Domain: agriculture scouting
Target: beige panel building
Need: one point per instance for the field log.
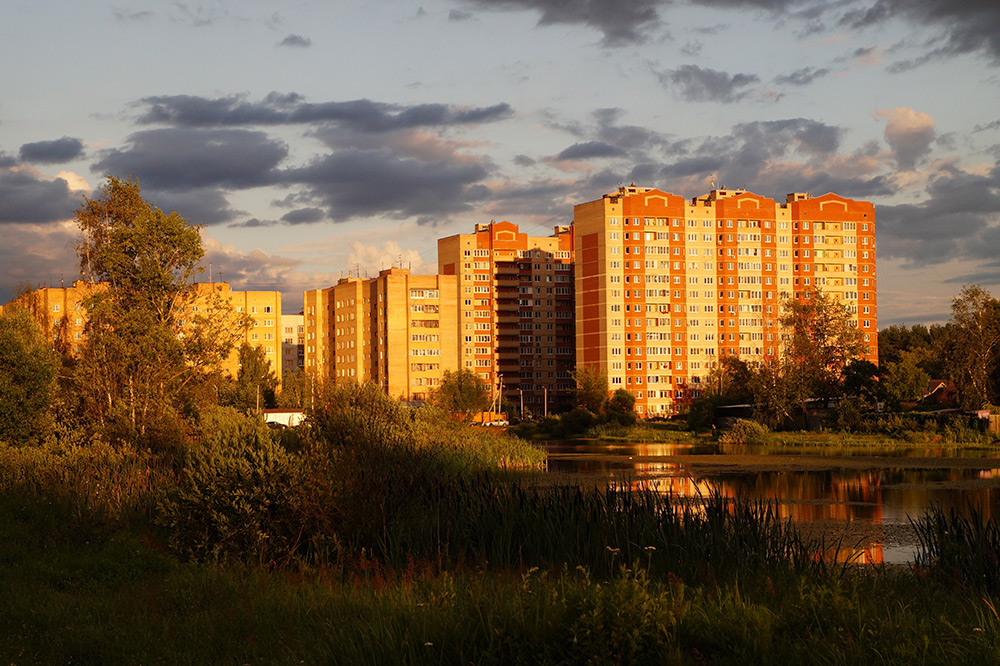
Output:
(61, 313)
(515, 315)
(666, 286)
(292, 343)
(398, 330)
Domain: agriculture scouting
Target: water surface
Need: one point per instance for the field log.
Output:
(863, 497)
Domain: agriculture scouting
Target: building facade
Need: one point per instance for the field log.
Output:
(293, 352)
(666, 286)
(398, 330)
(515, 310)
(62, 314)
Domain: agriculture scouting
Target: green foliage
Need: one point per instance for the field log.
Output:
(348, 414)
(462, 392)
(745, 432)
(973, 346)
(591, 388)
(905, 380)
(961, 548)
(824, 339)
(137, 370)
(255, 384)
(621, 408)
(28, 372)
(236, 498)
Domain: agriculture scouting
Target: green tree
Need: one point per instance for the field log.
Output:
(28, 371)
(822, 338)
(462, 393)
(973, 345)
(255, 384)
(905, 380)
(143, 350)
(591, 388)
(621, 408)
(861, 381)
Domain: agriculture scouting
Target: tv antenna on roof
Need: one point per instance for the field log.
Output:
(714, 184)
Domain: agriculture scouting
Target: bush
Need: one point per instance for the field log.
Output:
(236, 498)
(744, 432)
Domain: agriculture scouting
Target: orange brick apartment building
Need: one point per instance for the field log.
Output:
(516, 313)
(665, 286)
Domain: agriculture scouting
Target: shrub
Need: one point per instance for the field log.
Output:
(744, 432)
(236, 497)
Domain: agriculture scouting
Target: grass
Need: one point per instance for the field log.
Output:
(121, 601)
(433, 559)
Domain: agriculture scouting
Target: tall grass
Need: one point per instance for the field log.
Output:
(963, 548)
(94, 482)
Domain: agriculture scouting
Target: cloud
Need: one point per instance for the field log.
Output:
(589, 150)
(802, 77)
(909, 133)
(303, 216)
(27, 197)
(58, 151)
(371, 259)
(181, 158)
(459, 15)
(256, 270)
(363, 183)
(622, 22)
(697, 84)
(961, 26)
(958, 219)
(126, 15)
(197, 205)
(361, 115)
(296, 41)
(36, 255)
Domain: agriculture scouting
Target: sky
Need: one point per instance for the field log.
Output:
(315, 139)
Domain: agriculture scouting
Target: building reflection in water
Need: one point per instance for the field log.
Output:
(887, 495)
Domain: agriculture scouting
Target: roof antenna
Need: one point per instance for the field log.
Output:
(210, 278)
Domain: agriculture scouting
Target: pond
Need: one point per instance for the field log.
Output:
(861, 498)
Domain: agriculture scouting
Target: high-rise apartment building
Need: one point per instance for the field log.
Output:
(665, 286)
(293, 351)
(397, 330)
(515, 314)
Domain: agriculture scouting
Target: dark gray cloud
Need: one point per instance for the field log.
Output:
(181, 158)
(37, 257)
(25, 198)
(206, 206)
(303, 216)
(363, 183)
(963, 26)
(6, 160)
(698, 84)
(959, 219)
(988, 126)
(58, 151)
(296, 41)
(802, 77)
(459, 15)
(622, 22)
(361, 115)
(589, 150)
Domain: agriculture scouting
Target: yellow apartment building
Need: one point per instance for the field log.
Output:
(516, 316)
(398, 330)
(665, 286)
(61, 313)
(293, 343)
